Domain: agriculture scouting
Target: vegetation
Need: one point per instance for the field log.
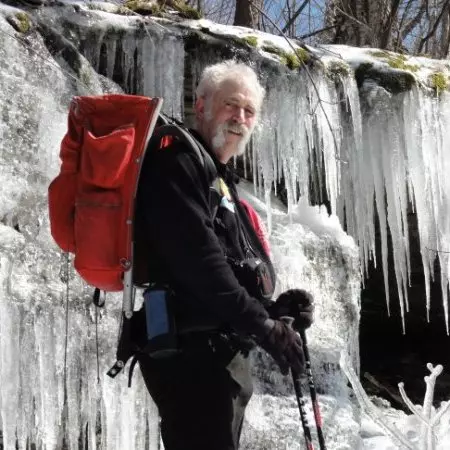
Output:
(251, 40)
(338, 69)
(399, 62)
(295, 60)
(186, 11)
(23, 22)
(142, 7)
(395, 61)
(290, 59)
(439, 81)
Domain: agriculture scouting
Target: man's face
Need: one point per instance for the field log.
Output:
(229, 118)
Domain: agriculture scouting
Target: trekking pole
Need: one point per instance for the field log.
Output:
(313, 392)
(299, 395)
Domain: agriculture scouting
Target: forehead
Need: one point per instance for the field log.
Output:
(233, 90)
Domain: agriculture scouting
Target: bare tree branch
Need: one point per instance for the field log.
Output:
(434, 28)
(313, 33)
(294, 17)
(386, 32)
(353, 19)
(415, 20)
(402, 20)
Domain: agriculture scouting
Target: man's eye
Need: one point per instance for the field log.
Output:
(250, 112)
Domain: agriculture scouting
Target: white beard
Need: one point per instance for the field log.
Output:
(219, 139)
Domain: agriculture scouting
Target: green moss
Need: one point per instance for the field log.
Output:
(141, 7)
(251, 40)
(186, 11)
(336, 69)
(380, 54)
(439, 81)
(295, 60)
(399, 62)
(23, 22)
(395, 61)
(270, 48)
(247, 41)
(290, 59)
(303, 55)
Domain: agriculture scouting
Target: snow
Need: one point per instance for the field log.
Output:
(421, 67)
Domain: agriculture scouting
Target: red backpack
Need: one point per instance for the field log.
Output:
(91, 201)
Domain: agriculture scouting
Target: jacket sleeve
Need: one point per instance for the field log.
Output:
(173, 193)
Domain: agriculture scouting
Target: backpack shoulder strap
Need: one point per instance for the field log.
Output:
(183, 135)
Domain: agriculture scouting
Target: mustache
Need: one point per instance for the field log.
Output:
(236, 128)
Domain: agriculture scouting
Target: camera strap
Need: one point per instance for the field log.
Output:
(248, 234)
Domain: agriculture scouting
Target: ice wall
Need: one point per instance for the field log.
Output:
(50, 392)
(382, 160)
(142, 56)
(310, 250)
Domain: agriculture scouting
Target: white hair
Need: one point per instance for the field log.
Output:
(243, 75)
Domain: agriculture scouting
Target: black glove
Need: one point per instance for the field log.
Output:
(285, 346)
(295, 303)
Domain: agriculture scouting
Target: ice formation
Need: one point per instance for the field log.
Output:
(395, 152)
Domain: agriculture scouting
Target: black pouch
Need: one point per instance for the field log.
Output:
(150, 331)
(254, 275)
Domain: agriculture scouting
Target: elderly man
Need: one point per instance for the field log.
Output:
(219, 276)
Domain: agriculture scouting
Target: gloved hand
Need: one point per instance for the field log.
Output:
(295, 303)
(284, 345)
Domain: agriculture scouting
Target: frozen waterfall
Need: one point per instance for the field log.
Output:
(390, 148)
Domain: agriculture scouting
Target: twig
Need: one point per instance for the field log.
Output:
(409, 403)
(313, 33)
(435, 25)
(294, 17)
(365, 404)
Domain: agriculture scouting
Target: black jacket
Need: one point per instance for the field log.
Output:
(187, 250)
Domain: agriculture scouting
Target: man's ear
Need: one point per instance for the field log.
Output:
(200, 108)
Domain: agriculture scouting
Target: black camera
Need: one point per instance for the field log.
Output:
(254, 275)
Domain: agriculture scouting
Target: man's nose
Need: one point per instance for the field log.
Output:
(239, 114)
